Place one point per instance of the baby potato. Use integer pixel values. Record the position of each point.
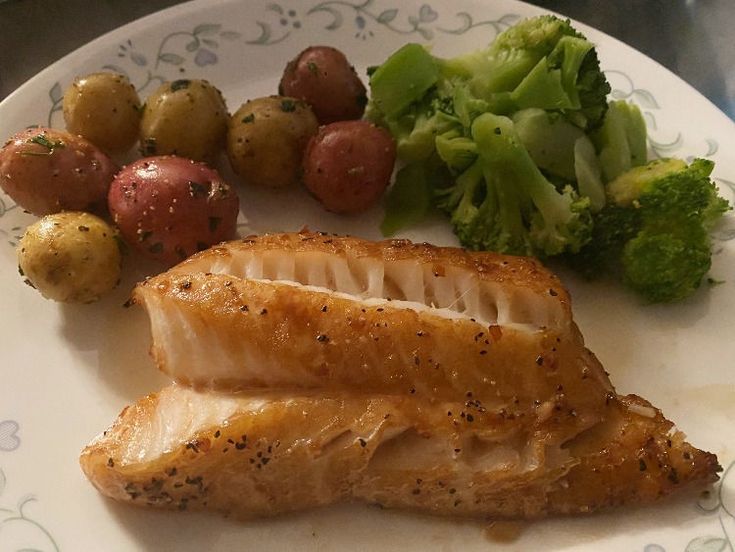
(105, 109)
(71, 257)
(169, 207)
(266, 139)
(348, 165)
(323, 78)
(47, 171)
(187, 118)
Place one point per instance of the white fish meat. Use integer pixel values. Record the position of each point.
(252, 456)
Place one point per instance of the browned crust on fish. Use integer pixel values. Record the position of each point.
(280, 337)
(306, 452)
(517, 272)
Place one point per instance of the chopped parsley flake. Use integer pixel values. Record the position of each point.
(196, 189)
(180, 84)
(288, 106)
(42, 140)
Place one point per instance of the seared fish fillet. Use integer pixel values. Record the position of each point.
(262, 455)
(220, 331)
(324, 369)
(306, 311)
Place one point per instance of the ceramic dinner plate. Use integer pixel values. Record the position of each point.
(68, 370)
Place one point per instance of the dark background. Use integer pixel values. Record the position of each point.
(693, 38)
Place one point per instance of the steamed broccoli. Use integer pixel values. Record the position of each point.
(518, 145)
(503, 202)
(541, 75)
(541, 62)
(654, 231)
(563, 151)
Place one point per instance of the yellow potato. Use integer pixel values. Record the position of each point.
(187, 118)
(266, 139)
(105, 109)
(71, 257)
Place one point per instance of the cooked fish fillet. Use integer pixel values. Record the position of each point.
(306, 311)
(226, 332)
(261, 455)
(412, 376)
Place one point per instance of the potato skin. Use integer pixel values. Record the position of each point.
(323, 78)
(185, 117)
(47, 171)
(348, 165)
(169, 207)
(71, 257)
(105, 109)
(266, 139)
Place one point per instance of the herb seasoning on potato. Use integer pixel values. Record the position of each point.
(168, 207)
(323, 78)
(266, 140)
(47, 171)
(185, 117)
(105, 109)
(71, 257)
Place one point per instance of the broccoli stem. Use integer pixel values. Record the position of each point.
(557, 222)
(500, 146)
(403, 79)
(621, 140)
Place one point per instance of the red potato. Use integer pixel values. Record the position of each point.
(348, 165)
(169, 207)
(48, 171)
(322, 77)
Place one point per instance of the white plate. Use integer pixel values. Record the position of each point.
(68, 370)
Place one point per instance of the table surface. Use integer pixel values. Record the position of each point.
(693, 38)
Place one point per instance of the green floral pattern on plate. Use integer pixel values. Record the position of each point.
(16, 525)
(720, 503)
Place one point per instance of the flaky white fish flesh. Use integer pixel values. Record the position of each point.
(251, 456)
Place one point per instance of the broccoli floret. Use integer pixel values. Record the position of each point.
(416, 131)
(653, 232)
(612, 228)
(485, 213)
(503, 202)
(540, 62)
(666, 267)
(407, 100)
